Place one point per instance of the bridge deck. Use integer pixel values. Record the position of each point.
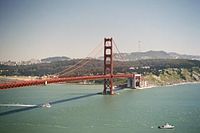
(59, 80)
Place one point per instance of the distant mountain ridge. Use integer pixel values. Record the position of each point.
(153, 55)
(134, 56)
(54, 59)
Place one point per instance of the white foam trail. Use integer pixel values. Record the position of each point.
(18, 105)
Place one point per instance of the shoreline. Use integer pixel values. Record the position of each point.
(175, 84)
(8, 79)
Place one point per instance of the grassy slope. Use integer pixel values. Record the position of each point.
(173, 75)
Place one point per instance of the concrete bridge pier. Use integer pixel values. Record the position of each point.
(134, 82)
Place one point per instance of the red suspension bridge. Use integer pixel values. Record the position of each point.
(108, 76)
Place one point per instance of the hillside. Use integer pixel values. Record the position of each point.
(96, 67)
(153, 55)
(173, 76)
(54, 59)
(154, 71)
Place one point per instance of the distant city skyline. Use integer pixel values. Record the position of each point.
(45, 28)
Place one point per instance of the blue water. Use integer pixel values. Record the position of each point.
(78, 108)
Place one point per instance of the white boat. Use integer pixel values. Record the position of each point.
(166, 126)
(47, 105)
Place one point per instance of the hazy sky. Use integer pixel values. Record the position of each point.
(42, 28)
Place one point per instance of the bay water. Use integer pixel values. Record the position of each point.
(81, 109)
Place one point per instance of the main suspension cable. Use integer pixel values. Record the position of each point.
(82, 62)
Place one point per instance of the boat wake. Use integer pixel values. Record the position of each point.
(18, 105)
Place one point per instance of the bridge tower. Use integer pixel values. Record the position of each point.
(108, 65)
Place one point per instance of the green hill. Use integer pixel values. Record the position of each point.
(155, 71)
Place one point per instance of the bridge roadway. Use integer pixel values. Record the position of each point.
(61, 79)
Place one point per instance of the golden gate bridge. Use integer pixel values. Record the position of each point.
(108, 75)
